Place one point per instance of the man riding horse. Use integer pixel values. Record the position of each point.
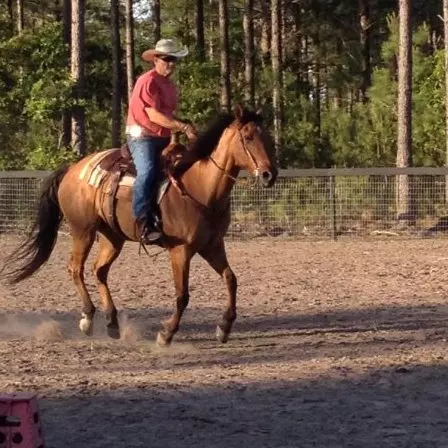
(149, 125)
(195, 210)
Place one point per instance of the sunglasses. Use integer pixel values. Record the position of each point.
(168, 58)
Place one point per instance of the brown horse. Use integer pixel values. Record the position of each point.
(195, 218)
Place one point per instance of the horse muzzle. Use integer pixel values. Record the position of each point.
(267, 177)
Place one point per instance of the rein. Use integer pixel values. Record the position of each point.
(223, 170)
(179, 186)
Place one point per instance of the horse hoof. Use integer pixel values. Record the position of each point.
(161, 341)
(86, 325)
(113, 332)
(221, 335)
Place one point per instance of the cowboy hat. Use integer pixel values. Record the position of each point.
(164, 47)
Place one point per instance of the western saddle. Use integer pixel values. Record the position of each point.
(118, 163)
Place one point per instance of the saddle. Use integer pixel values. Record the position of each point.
(119, 161)
(113, 167)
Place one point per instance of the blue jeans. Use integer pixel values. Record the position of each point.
(145, 152)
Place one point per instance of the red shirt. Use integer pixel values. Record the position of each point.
(152, 90)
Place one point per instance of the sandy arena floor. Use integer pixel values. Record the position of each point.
(336, 345)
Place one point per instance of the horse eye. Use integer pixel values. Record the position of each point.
(248, 138)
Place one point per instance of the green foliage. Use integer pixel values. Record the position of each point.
(35, 91)
(339, 130)
(197, 85)
(45, 158)
(366, 135)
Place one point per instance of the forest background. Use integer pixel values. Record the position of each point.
(325, 73)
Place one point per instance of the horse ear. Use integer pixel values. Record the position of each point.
(238, 111)
(260, 109)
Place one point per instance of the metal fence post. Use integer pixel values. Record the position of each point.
(333, 207)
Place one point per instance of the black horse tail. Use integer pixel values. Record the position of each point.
(36, 249)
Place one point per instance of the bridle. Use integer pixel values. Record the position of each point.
(256, 171)
(249, 154)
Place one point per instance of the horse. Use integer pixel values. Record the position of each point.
(195, 217)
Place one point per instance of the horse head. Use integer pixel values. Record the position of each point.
(252, 146)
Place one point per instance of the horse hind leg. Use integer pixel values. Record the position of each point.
(180, 263)
(81, 245)
(109, 249)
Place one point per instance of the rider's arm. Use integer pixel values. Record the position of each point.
(162, 120)
(152, 98)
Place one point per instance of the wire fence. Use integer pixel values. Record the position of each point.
(19, 191)
(303, 204)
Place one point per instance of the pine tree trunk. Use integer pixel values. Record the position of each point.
(316, 71)
(316, 82)
(211, 32)
(66, 34)
(404, 139)
(297, 42)
(66, 22)
(445, 28)
(11, 15)
(224, 50)
(20, 20)
(200, 37)
(116, 73)
(248, 25)
(77, 72)
(337, 100)
(283, 21)
(130, 68)
(276, 72)
(265, 41)
(57, 11)
(187, 26)
(157, 20)
(64, 138)
(364, 37)
(306, 77)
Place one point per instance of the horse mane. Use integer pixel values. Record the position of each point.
(208, 139)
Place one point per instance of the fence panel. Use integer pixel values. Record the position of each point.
(331, 206)
(303, 204)
(18, 195)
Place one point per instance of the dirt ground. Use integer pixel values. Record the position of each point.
(337, 344)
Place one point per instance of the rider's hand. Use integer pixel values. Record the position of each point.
(188, 129)
(190, 132)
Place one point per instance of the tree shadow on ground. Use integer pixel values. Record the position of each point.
(380, 409)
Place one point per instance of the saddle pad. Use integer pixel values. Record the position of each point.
(92, 173)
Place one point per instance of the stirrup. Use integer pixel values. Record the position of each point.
(149, 234)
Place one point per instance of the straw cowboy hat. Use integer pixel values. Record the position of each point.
(164, 47)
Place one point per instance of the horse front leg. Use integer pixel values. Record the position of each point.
(217, 259)
(180, 263)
